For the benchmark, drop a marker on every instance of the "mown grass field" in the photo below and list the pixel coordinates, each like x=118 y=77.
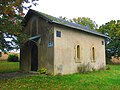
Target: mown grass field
x=98 y=80
x=6 y=67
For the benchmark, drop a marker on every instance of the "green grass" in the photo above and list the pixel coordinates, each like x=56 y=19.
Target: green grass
x=99 y=80
x=8 y=66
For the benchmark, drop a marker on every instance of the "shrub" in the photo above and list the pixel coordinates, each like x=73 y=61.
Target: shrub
x=43 y=71
x=107 y=68
x=12 y=58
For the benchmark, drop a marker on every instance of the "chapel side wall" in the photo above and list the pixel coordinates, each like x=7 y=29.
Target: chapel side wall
x=45 y=53
x=64 y=52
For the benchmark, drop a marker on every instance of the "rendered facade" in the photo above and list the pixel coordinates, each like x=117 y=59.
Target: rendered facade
x=60 y=46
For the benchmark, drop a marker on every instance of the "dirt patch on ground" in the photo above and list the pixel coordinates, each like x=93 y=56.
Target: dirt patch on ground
x=115 y=60
x=14 y=75
x=4 y=55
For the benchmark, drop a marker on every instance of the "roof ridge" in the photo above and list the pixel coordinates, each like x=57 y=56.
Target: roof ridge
x=66 y=23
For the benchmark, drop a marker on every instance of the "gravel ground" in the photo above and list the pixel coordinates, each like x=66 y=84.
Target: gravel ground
x=15 y=74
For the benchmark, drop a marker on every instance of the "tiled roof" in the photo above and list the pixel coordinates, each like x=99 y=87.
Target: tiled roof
x=62 y=22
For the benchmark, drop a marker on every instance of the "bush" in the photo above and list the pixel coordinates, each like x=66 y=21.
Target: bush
x=107 y=68
x=43 y=71
x=12 y=58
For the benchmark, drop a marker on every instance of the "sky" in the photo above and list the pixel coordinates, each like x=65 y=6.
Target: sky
x=100 y=11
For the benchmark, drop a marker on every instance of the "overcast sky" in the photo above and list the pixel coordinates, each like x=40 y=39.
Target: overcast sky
x=100 y=11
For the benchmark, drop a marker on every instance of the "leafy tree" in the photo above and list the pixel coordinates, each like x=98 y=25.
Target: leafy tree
x=85 y=21
x=64 y=18
x=112 y=29
x=11 y=16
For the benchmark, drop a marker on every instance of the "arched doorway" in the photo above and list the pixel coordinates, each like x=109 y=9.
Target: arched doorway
x=34 y=58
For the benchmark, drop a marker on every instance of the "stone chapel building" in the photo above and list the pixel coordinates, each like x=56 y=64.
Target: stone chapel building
x=60 y=46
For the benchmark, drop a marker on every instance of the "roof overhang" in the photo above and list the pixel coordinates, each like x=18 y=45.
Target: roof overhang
x=34 y=38
x=87 y=31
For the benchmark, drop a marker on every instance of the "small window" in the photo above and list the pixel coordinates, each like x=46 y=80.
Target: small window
x=93 y=54
x=58 y=33
x=102 y=42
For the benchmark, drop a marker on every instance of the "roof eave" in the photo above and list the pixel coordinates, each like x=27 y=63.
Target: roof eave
x=98 y=34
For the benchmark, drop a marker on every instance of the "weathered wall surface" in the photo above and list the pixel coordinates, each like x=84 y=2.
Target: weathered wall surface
x=58 y=54
x=64 y=50
x=38 y=26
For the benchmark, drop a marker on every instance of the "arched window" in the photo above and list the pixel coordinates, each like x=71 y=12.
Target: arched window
x=34 y=27
x=78 y=51
x=0 y=54
x=78 y=56
x=93 y=54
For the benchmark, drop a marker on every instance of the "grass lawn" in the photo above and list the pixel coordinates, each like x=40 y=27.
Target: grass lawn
x=8 y=66
x=98 y=80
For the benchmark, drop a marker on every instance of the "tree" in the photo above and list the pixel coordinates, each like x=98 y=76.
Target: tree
x=64 y=18
x=112 y=29
x=85 y=21
x=11 y=16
